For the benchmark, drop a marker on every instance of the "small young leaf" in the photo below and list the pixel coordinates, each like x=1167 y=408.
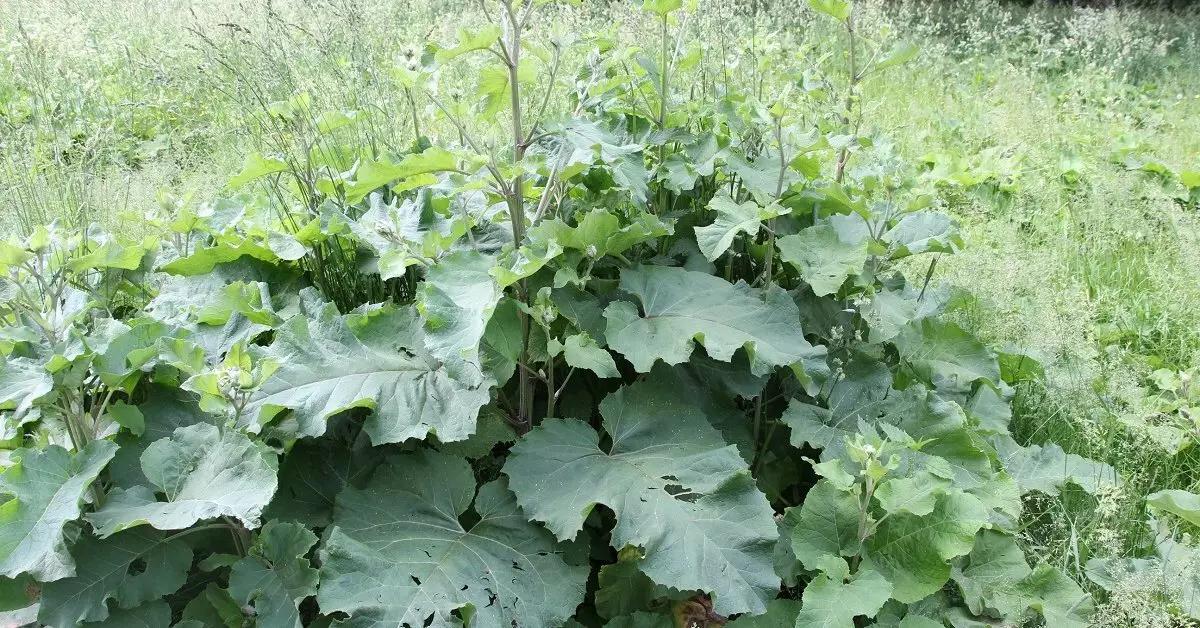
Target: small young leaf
x=837 y=9
x=276 y=576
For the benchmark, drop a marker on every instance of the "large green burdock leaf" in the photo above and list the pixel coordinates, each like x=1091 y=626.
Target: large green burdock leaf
x=600 y=231
x=41 y=493
x=780 y=614
x=23 y=382
x=823 y=258
x=165 y=410
x=398 y=554
x=105 y=573
x=827 y=525
x=912 y=551
x=946 y=356
x=375 y=359
x=315 y=470
x=832 y=603
x=1057 y=597
x=204 y=472
x=1180 y=503
x=679 y=493
x=457 y=300
x=923 y=232
x=1047 y=468
x=276 y=576
x=990 y=576
x=680 y=307
x=156 y=614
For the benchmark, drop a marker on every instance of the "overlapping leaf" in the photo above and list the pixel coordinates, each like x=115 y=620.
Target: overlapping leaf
x=375 y=359
x=205 y=472
x=679 y=493
x=680 y=307
x=823 y=258
x=42 y=492
x=398 y=554
x=276 y=575
x=107 y=572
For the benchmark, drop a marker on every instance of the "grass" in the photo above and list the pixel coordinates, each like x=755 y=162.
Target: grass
x=1042 y=129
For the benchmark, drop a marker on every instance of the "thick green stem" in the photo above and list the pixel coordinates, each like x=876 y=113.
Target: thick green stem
x=864 y=511
x=516 y=208
x=844 y=153
x=416 y=121
x=664 y=73
x=768 y=263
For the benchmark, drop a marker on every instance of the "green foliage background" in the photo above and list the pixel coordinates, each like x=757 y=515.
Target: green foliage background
x=334 y=389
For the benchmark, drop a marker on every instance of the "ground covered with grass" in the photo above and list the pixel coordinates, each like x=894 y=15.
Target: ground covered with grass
x=1064 y=141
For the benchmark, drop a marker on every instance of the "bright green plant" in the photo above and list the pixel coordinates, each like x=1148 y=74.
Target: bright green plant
x=730 y=405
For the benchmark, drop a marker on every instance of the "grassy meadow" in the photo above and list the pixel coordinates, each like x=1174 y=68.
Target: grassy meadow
x=1065 y=141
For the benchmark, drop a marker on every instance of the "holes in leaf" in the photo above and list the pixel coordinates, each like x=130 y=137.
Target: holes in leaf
x=517 y=566
x=137 y=567
x=492 y=597
x=416 y=580
x=681 y=493
x=469 y=518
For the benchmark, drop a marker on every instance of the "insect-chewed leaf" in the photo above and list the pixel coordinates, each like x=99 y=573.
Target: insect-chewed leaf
x=398 y=554
x=374 y=359
x=824 y=259
x=678 y=491
x=43 y=492
x=276 y=576
x=104 y=573
x=681 y=306
x=205 y=472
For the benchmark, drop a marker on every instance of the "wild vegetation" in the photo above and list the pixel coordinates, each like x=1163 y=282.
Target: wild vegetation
x=520 y=313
